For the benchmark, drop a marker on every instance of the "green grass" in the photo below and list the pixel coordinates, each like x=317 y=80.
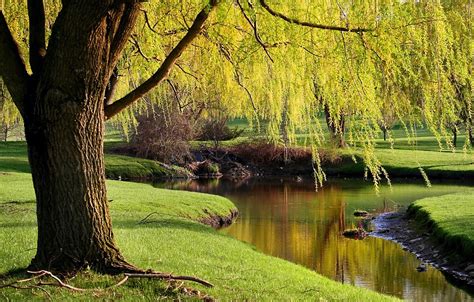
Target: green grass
x=406 y=163
x=170 y=240
x=450 y=218
x=14 y=159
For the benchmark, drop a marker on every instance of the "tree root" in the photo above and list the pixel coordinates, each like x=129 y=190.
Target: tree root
x=130 y=272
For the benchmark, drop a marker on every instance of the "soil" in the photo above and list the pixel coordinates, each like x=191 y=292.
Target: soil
x=219 y=222
x=396 y=226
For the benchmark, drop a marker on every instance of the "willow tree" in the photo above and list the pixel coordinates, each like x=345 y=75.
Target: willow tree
x=71 y=85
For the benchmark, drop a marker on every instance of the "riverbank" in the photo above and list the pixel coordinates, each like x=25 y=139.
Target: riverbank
x=159 y=229
x=250 y=161
x=439 y=230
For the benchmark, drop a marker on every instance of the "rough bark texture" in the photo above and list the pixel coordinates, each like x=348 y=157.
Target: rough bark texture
x=64 y=126
x=63 y=107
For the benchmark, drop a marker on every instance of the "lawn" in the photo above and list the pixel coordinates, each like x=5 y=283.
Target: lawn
x=169 y=240
x=14 y=159
x=450 y=218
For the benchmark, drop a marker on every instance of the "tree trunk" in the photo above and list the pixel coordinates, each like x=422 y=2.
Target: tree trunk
x=64 y=128
x=336 y=128
x=5 y=133
x=384 y=130
x=455 y=137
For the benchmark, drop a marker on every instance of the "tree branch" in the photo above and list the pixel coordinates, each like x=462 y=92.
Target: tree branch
x=166 y=66
x=37 y=34
x=309 y=24
x=12 y=67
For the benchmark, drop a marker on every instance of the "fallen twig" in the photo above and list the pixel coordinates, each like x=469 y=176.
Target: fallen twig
x=170 y=277
x=121 y=282
x=144 y=220
x=59 y=281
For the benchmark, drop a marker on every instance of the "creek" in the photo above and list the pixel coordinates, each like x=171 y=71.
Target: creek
x=290 y=220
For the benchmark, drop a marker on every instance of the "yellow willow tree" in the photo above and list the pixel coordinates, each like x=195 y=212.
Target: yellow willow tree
x=91 y=59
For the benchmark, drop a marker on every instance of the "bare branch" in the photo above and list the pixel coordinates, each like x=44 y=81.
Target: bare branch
x=37 y=34
x=309 y=24
x=165 y=68
x=12 y=67
x=253 y=24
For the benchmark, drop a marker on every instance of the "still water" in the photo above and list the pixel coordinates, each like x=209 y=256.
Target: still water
x=288 y=219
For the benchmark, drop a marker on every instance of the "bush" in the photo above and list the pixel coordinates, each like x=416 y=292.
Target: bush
x=217 y=130
x=163 y=137
x=263 y=152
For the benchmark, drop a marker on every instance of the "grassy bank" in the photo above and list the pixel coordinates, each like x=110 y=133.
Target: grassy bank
x=407 y=163
x=451 y=220
x=14 y=159
x=169 y=240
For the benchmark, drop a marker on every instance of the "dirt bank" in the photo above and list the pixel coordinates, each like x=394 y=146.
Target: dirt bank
x=398 y=227
x=217 y=221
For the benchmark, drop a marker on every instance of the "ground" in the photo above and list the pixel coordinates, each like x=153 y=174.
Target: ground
x=157 y=229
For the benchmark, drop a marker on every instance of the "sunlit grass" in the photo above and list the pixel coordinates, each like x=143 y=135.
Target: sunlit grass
x=450 y=218
x=170 y=240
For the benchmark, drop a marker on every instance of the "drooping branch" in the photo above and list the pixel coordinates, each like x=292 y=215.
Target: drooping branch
x=310 y=24
x=12 y=67
x=165 y=68
x=37 y=21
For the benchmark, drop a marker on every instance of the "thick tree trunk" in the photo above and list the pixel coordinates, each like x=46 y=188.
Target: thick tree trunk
x=64 y=128
x=74 y=225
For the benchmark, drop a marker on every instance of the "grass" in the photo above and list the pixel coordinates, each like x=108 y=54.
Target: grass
x=169 y=240
x=14 y=159
x=451 y=220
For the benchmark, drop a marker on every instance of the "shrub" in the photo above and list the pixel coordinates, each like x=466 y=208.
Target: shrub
x=217 y=130
x=163 y=137
x=263 y=152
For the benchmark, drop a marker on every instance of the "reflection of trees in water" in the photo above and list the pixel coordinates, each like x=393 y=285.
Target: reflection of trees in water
x=305 y=227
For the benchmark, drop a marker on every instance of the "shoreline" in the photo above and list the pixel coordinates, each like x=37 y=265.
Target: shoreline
x=398 y=227
x=218 y=221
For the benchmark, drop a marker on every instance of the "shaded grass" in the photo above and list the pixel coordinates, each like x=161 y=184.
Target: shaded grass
x=451 y=220
x=14 y=159
x=170 y=240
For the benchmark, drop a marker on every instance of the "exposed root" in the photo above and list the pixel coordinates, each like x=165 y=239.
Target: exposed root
x=121 y=267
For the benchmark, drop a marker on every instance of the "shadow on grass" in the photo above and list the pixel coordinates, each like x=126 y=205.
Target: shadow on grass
x=159 y=222
x=14 y=273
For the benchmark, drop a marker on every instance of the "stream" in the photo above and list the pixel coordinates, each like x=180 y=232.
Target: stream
x=290 y=220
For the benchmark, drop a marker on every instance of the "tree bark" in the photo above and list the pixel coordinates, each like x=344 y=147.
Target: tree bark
x=63 y=108
x=64 y=127
x=455 y=136
x=336 y=128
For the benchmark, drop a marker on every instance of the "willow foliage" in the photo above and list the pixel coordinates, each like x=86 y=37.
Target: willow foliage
x=415 y=59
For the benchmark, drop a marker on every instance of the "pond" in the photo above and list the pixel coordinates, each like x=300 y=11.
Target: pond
x=290 y=220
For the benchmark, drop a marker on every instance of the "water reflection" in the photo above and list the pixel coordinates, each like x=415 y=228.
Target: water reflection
x=290 y=220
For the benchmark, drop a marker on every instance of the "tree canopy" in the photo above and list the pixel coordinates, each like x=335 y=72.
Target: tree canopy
x=250 y=56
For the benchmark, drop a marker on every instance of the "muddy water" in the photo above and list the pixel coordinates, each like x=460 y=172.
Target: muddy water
x=288 y=219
